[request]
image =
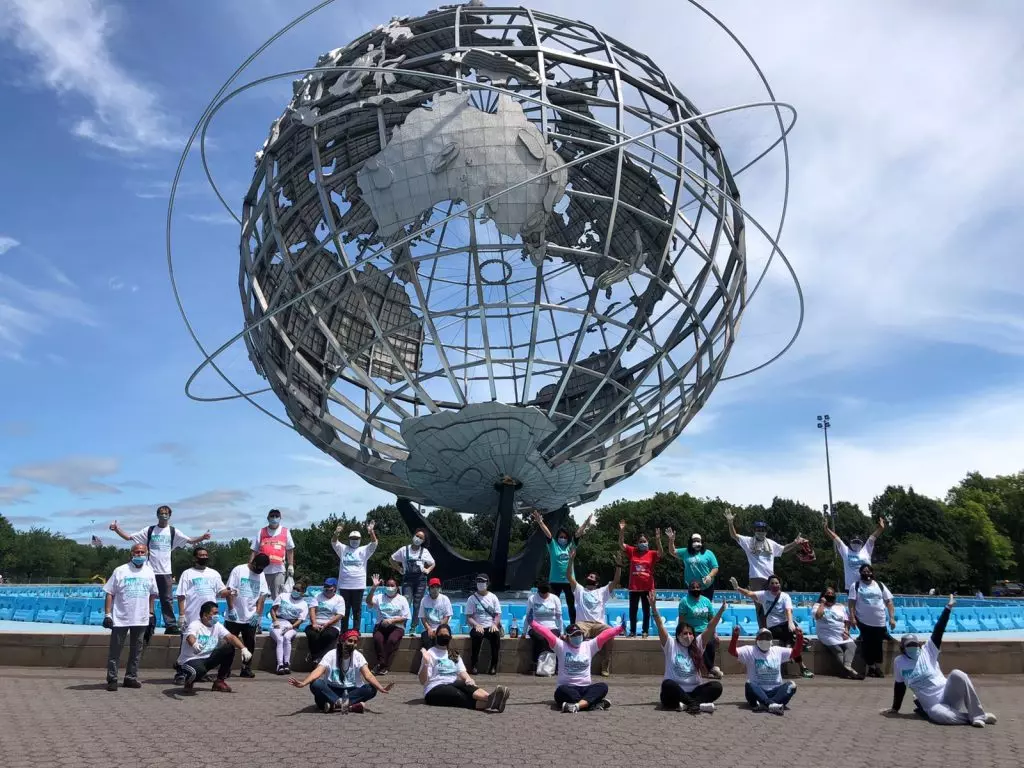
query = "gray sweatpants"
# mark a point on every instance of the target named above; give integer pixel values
(275, 583)
(959, 695)
(117, 638)
(844, 652)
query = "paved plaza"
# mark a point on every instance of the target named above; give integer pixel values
(53, 717)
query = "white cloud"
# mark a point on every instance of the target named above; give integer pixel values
(78, 474)
(15, 494)
(69, 42)
(28, 311)
(221, 218)
(6, 243)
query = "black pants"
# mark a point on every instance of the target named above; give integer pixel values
(709, 593)
(245, 632)
(871, 643)
(353, 609)
(672, 694)
(709, 653)
(560, 588)
(165, 586)
(642, 599)
(574, 694)
(539, 646)
(321, 641)
(476, 639)
(456, 694)
(222, 658)
(755, 585)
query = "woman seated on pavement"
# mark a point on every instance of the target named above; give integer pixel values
(435, 610)
(446, 683)
(833, 623)
(392, 615)
(575, 691)
(777, 608)
(686, 665)
(696, 610)
(286, 615)
(946, 701)
(546, 609)
(208, 644)
(765, 688)
(342, 684)
(325, 616)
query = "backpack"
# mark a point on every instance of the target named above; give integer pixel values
(149, 535)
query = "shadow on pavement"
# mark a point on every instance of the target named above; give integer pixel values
(87, 687)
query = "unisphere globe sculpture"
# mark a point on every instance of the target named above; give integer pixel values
(490, 258)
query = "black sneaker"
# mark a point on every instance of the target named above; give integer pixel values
(111, 685)
(179, 678)
(474, 670)
(493, 670)
(131, 682)
(603, 704)
(172, 631)
(247, 672)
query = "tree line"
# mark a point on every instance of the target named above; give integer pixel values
(965, 541)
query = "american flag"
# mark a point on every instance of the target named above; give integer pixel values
(96, 541)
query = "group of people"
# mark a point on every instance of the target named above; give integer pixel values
(343, 680)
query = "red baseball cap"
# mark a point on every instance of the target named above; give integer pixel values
(434, 582)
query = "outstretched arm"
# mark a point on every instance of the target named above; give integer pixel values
(539, 520)
(582, 530)
(794, 543)
(733, 641)
(729, 517)
(709, 632)
(608, 634)
(940, 625)
(569, 570)
(544, 632)
(662, 634)
(622, 535)
(745, 592)
(117, 529)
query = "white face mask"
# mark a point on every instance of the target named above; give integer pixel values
(764, 645)
(417, 540)
(392, 591)
(481, 586)
(685, 640)
(354, 543)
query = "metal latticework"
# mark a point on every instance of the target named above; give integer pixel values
(492, 205)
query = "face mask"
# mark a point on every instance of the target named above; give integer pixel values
(348, 648)
(209, 621)
(257, 571)
(202, 561)
(481, 586)
(642, 546)
(855, 546)
(392, 591)
(435, 592)
(443, 640)
(830, 599)
(417, 540)
(760, 535)
(328, 592)
(774, 588)
(697, 547)
(694, 593)
(912, 652)
(138, 561)
(354, 543)
(296, 595)
(562, 541)
(576, 641)
(591, 583)
(866, 577)
(764, 645)
(163, 518)
(273, 522)
(685, 640)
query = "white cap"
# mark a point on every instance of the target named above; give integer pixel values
(355, 535)
(696, 537)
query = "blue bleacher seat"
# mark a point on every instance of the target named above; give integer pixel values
(76, 611)
(724, 628)
(25, 609)
(987, 619)
(50, 610)
(967, 620)
(7, 605)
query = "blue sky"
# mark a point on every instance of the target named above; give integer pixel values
(904, 228)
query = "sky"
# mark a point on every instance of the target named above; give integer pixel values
(903, 226)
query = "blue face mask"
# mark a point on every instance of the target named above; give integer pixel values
(562, 541)
(642, 546)
(273, 522)
(296, 595)
(576, 641)
(912, 651)
(138, 561)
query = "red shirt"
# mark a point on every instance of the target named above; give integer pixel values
(641, 569)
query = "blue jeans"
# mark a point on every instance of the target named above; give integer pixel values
(780, 694)
(325, 692)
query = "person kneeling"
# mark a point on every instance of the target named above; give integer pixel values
(333, 682)
(765, 688)
(203, 649)
(446, 683)
(942, 700)
(575, 691)
(686, 666)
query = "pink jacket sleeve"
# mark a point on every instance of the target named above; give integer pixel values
(544, 632)
(608, 634)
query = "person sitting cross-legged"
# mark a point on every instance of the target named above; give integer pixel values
(765, 688)
(342, 681)
(686, 668)
(208, 644)
(576, 692)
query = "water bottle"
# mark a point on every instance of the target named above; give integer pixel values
(514, 631)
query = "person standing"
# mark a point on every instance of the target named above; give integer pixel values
(761, 553)
(325, 616)
(856, 554)
(415, 563)
(202, 650)
(435, 612)
(483, 614)
(593, 608)
(389, 628)
(352, 572)
(247, 591)
(699, 564)
(198, 585)
(544, 608)
(868, 602)
(560, 546)
(641, 574)
(129, 611)
(685, 668)
(160, 540)
(275, 541)
(341, 680)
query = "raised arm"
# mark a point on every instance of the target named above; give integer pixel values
(614, 583)
(117, 529)
(879, 530)
(661, 546)
(662, 634)
(569, 570)
(794, 543)
(671, 534)
(582, 530)
(544, 632)
(940, 625)
(539, 520)
(733, 642)
(373, 588)
(709, 631)
(622, 535)
(729, 518)
(745, 592)
(608, 634)
(371, 528)
(425, 665)
(829, 532)
(337, 532)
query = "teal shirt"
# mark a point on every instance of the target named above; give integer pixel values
(696, 567)
(559, 557)
(697, 613)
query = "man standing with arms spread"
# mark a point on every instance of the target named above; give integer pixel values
(160, 540)
(275, 541)
(130, 601)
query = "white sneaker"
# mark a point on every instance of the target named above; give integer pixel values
(716, 673)
(990, 719)
(570, 708)
(708, 708)
(776, 709)
(679, 708)
(978, 722)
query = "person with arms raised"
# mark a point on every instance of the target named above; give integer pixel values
(446, 683)
(765, 688)
(389, 628)
(868, 602)
(208, 645)
(342, 681)
(275, 541)
(575, 690)
(325, 615)
(593, 607)
(435, 611)
(560, 546)
(641, 574)
(684, 685)
(946, 701)
(247, 591)
(129, 605)
(353, 558)
(699, 564)
(160, 540)
(856, 554)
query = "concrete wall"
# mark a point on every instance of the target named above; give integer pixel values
(629, 656)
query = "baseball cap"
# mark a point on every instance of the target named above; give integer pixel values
(573, 629)
(696, 537)
(760, 524)
(434, 582)
(331, 582)
(355, 535)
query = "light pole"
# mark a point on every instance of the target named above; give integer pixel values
(823, 425)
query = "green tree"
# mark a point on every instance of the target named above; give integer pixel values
(918, 564)
(986, 552)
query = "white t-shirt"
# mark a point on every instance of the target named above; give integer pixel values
(778, 614)
(574, 663)
(679, 665)
(871, 599)
(832, 624)
(352, 571)
(591, 603)
(485, 610)
(923, 676)
(545, 611)
(250, 587)
(443, 671)
(852, 561)
(328, 609)
(433, 612)
(198, 586)
(254, 545)
(131, 588)
(388, 607)
(160, 546)
(207, 640)
(289, 610)
(764, 669)
(413, 560)
(348, 674)
(762, 564)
